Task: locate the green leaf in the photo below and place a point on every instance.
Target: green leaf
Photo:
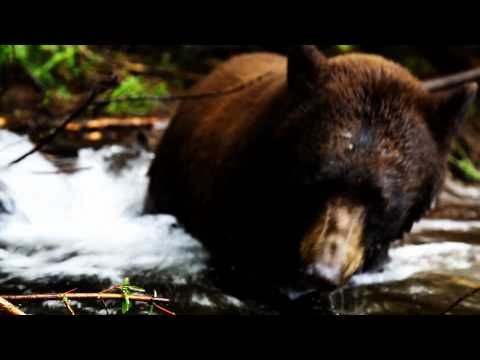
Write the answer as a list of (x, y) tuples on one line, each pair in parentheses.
[(124, 288), (135, 289), (126, 305), (49, 48), (130, 86), (135, 87), (43, 62), (464, 164), (6, 54), (61, 92), (161, 90), (21, 52), (467, 168), (346, 48)]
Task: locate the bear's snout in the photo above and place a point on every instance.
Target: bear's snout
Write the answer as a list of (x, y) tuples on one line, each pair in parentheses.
[(332, 250)]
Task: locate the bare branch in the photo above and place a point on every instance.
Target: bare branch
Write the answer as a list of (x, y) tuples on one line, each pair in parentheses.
[(72, 116), (184, 97), (9, 308), (66, 302), (161, 308), (105, 306), (86, 296), (46, 140), (461, 300), (451, 81), (67, 297)]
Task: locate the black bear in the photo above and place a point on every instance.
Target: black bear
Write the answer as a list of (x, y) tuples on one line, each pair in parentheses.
[(314, 169)]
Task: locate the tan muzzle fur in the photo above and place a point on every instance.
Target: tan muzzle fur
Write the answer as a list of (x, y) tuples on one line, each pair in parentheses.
[(332, 249)]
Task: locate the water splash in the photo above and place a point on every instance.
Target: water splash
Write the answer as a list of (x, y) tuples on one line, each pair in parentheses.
[(438, 258), (84, 223), (87, 224)]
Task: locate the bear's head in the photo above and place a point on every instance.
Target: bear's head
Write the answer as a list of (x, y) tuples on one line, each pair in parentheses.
[(364, 150)]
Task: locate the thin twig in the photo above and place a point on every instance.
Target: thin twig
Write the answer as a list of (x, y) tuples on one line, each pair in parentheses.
[(72, 116), (8, 307), (161, 308), (200, 96), (66, 297), (114, 287), (68, 306), (452, 80), (67, 302), (86, 296), (105, 306), (46, 140), (70, 291), (461, 300), (100, 103)]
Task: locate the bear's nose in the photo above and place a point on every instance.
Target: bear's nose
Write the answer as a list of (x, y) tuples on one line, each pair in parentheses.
[(332, 249)]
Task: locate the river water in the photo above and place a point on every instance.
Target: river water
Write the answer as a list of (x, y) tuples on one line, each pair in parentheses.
[(81, 229)]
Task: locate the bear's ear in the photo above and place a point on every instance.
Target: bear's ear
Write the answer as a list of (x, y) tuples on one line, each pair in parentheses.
[(306, 65), (450, 108)]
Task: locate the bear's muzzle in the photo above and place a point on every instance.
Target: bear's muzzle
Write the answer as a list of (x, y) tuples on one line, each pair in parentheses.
[(332, 249)]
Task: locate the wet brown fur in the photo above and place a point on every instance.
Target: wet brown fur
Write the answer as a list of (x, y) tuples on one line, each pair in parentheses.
[(235, 169), (205, 136)]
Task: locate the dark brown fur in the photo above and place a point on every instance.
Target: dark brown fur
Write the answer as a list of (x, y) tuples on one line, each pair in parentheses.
[(248, 172)]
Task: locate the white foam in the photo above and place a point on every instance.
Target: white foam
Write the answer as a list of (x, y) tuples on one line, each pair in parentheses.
[(463, 190), (233, 301), (202, 300), (445, 225), (85, 223), (408, 260)]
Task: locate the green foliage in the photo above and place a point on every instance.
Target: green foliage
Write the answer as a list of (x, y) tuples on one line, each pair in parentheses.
[(346, 48), (56, 67), (126, 304), (127, 289), (52, 65), (135, 87), (6, 54), (464, 165)]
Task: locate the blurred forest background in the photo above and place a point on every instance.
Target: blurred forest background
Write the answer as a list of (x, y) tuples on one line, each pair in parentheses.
[(40, 84)]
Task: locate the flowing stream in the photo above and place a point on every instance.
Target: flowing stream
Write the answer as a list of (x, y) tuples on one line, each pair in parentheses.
[(82, 229)]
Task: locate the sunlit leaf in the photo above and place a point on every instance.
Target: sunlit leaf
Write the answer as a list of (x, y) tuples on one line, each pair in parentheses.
[(136, 289), (346, 48), (126, 305), (135, 87), (463, 163)]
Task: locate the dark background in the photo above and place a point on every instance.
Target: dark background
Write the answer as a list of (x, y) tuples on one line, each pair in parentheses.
[(41, 84)]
